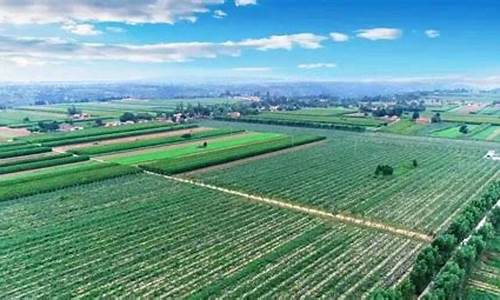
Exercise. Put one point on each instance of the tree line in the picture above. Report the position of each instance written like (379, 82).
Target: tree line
(443, 253)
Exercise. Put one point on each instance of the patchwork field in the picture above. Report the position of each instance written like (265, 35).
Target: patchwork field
(126, 211)
(454, 132)
(153, 237)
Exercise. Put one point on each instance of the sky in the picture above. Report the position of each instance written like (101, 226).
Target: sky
(204, 40)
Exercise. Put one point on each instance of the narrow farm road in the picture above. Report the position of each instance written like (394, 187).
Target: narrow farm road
(408, 233)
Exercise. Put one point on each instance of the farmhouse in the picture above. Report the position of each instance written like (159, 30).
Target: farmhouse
(492, 155)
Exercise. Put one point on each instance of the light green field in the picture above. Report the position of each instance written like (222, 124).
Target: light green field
(330, 111)
(491, 133)
(136, 157)
(403, 126)
(12, 116)
(453, 132)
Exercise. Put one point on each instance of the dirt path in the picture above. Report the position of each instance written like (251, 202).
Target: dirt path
(414, 235)
(249, 159)
(132, 138)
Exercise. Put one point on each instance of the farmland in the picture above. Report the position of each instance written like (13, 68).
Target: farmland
(200, 210)
(155, 232)
(316, 117)
(141, 156)
(357, 191)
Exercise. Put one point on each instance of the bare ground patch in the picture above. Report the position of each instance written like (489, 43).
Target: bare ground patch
(7, 133)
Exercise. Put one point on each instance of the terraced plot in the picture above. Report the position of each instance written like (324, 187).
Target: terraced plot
(338, 175)
(152, 237)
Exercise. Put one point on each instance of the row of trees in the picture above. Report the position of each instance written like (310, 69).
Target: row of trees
(435, 256)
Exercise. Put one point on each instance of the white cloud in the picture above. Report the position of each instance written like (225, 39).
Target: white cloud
(58, 50)
(253, 69)
(115, 29)
(375, 34)
(127, 11)
(317, 66)
(339, 37)
(245, 2)
(432, 33)
(81, 29)
(219, 14)
(303, 40)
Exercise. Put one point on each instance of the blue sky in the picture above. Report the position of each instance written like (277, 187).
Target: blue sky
(201, 40)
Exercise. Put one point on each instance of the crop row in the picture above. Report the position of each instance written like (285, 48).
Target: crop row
(338, 176)
(154, 238)
(201, 160)
(43, 163)
(11, 189)
(31, 159)
(46, 138)
(23, 150)
(135, 132)
(101, 149)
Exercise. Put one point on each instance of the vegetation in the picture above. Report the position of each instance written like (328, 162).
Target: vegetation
(115, 147)
(12, 189)
(42, 163)
(223, 155)
(337, 176)
(217, 144)
(152, 237)
(23, 150)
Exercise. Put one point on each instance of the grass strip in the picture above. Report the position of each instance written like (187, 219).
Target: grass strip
(101, 149)
(188, 163)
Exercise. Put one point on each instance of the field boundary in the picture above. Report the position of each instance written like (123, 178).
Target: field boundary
(408, 233)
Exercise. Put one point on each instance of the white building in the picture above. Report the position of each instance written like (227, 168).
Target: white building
(492, 155)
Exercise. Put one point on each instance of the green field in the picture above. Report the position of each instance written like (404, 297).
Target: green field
(330, 111)
(404, 126)
(141, 156)
(116, 108)
(484, 282)
(333, 119)
(152, 237)
(338, 176)
(490, 133)
(174, 165)
(115, 147)
(12, 117)
(454, 132)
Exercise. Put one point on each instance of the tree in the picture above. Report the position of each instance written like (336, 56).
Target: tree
(26, 120)
(436, 118)
(127, 116)
(415, 115)
(99, 123)
(72, 110)
(48, 126)
(384, 170)
(464, 129)
(415, 163)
